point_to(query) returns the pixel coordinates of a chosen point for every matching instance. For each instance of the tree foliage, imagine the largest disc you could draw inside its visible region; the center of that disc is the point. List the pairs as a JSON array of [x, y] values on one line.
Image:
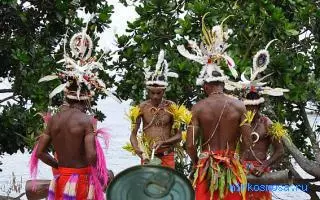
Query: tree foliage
[[31, 35], [294, 58]]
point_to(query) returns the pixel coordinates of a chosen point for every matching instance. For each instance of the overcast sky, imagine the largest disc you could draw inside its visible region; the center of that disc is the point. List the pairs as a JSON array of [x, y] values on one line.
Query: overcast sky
[[118, 25]]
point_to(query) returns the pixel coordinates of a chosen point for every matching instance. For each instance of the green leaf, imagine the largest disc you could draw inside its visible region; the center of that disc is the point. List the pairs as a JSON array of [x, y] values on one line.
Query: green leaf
[[292, 32], [103, 17]]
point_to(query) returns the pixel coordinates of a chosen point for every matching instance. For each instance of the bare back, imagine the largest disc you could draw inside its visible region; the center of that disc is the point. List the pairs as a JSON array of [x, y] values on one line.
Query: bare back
[[68, 130], [219, 117]]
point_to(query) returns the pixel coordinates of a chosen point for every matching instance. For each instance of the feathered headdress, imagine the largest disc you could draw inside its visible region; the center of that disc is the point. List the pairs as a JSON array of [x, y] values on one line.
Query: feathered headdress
[[80, 71], [210, 53], [260, 62], [160, 76]]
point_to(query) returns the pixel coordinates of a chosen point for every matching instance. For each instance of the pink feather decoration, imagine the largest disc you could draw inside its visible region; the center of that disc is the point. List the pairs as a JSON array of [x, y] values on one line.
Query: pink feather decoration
[[105, 135], [46, 117], [33, 165], [98, 192], [101, 165]]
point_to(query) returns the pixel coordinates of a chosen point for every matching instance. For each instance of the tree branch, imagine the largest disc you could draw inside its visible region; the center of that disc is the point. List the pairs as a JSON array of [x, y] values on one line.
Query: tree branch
[[312, 190], [7, 98], [6, 90], [310, 133], [307, 165]]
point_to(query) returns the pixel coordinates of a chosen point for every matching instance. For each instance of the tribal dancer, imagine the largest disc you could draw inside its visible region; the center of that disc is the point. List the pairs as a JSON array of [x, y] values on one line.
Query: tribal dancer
[[265, 133], [161, 119], [79, 162], [219, 118]]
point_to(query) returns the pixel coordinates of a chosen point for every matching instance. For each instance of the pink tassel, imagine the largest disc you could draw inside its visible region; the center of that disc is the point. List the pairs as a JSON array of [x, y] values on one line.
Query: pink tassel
[[105, 135], [101, 165], [98, 192], [46, 117], [33, 166]]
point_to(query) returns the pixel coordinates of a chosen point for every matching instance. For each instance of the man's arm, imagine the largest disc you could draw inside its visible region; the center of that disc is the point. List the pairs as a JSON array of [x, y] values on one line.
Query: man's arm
[[245, 131], [133, 137], [89, 143], [172, 140], [278, 149], [42, 151], [278, 152], [192, 134]]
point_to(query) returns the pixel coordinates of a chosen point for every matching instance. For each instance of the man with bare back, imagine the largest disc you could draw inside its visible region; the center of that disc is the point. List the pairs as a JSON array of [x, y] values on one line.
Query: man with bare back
[[218, 117], [159, 136], [256, 161], [217, 122], [79, 162], [72, 136]]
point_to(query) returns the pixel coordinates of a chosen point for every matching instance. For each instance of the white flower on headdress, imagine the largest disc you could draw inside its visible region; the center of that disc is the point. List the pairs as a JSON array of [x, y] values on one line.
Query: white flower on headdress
[[210, 53], [81, 69], [160, 75]]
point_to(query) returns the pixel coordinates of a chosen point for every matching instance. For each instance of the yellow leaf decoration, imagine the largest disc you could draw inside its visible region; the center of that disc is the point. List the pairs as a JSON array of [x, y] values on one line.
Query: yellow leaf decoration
[[277, 130], [145, 144], [128, 147], [133, 115], [249, 117], [180, 115], [184, 136]]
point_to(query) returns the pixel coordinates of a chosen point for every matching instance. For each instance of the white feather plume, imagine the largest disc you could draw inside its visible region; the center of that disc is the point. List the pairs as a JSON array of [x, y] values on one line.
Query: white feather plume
[[58, 89], [48, 78], [190, 56]]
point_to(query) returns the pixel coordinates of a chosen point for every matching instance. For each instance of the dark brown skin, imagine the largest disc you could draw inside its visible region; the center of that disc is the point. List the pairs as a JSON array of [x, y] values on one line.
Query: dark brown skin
[[71, 133], [205, 116], [260, 125], [160, 128]]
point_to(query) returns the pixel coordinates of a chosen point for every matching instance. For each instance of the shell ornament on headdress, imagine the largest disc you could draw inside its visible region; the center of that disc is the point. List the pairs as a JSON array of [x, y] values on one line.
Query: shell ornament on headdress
[[80, 69], [211, 51], [260, 62], [159, 77]]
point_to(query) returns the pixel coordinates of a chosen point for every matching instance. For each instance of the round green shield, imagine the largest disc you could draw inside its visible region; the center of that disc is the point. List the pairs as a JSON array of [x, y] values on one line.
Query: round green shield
[[150, 182]]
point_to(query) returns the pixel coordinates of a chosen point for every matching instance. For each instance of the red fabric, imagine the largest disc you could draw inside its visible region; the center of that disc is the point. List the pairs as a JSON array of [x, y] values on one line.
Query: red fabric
[[55, 171], [250, 195], [202, 188], [167, 160], [82, 184]]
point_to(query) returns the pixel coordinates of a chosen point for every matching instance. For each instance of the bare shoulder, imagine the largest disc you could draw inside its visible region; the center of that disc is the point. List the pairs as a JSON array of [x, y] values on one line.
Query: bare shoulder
[[237, 104], [85, 119], [198, 106], [266, 120], [143, 104], [168, 102]]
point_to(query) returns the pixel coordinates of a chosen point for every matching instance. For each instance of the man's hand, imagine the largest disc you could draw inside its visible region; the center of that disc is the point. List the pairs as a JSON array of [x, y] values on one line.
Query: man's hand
[[157, 145], [258, 171], [138, 152]]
